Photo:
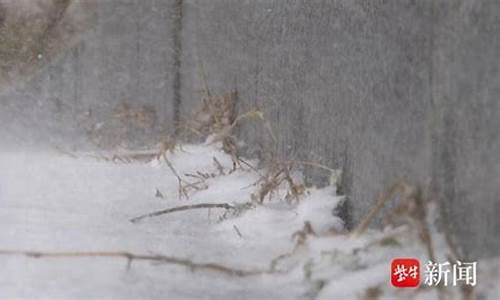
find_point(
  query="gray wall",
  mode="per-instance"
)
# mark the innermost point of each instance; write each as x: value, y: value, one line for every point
x: 382, y: 89
x: 466, y: 116
x: 125, y: 55
x: 343, y: 82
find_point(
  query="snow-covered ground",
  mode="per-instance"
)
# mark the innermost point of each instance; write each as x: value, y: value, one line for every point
x: 55, y: 203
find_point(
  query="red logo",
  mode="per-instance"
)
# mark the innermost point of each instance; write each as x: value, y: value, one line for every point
x: 405, y: 272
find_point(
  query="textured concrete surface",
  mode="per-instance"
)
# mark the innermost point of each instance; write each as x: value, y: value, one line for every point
x: 381, y: 89
x: 125, y: 56
x: 343, y: 82
x: 466, y: 112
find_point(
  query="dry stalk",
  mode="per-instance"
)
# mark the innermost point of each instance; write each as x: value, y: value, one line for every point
x: 250, y: 166
x: 379, y: 204
x: 277, y: 259
x: 183, y: 185
x: 124, y: 157
x: 217, y: 120
x: 237, y: 231
x: 468, y: 292
x: 219, y: 166
x: 277, y: 174
x: 301, y: 235
x: 295, y: 190
x: 182, y: 208
x: 65, y: 152
x: 159, y: 194
x: 412, y: 209
x: 311, y: 164
x: 269, y: 183
x: 215, y: 114
x: 301, y: 238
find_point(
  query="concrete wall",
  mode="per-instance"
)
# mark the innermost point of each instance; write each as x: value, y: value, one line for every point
x: 343, y: 82
x: 381, y: 89
x: 466, y: 116
x: 125, y: 55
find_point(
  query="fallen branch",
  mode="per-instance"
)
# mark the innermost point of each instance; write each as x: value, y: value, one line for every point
x: 193, y: 266
x: 182, y: 208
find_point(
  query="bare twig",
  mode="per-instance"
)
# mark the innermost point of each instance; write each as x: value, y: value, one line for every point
x: 65, y: 152
x: 179, y: 179
x: 393, y: 234
x: 237, y: 231
x: 159, y: 194
x: 270, y: 182
x: 183, y: 185
x: 203, y: 76
x: 279, y: 258
x: 295, y: 190
x: 124, y: 157
x: 301, y: 235
x: 182, y: 208
x: 219, y: 166
x: 309, y: 163
x: 250, y: 166
x: 193, y: 266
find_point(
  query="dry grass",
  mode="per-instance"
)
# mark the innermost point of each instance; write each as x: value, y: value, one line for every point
x: 277, y: 174
x: 412, y: 209
x: 301, y: 235
x: 143, y: 116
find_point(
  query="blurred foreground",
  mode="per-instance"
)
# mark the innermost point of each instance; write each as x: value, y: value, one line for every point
x: 56, y: 203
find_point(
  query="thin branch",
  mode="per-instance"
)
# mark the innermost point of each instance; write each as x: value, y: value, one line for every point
x: 219, y: 166
x: 309, y: 163
x: 203, y: 76
x: 182, y: 208
x: 386, y: 236
x: 382, y: 200
x: 237, y: 231
x: 181, y: 191
x: 193, y: 266
x: 250, y: 166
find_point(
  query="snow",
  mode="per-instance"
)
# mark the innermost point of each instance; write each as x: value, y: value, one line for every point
x: 55, y: 203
